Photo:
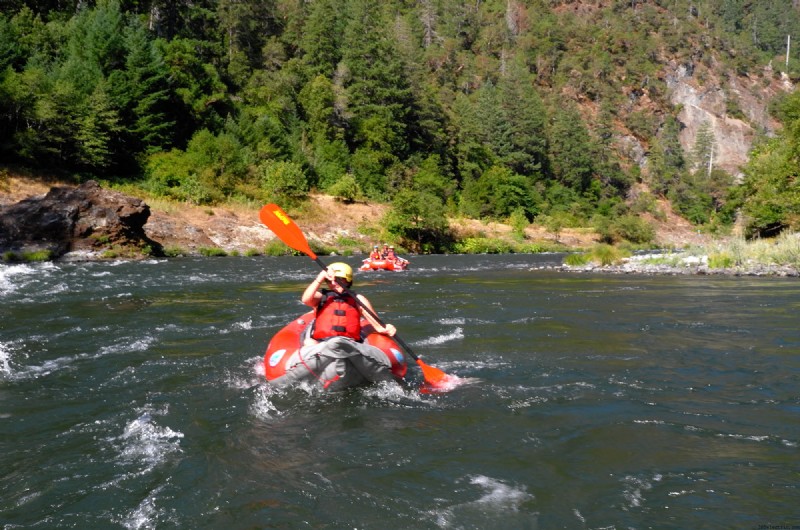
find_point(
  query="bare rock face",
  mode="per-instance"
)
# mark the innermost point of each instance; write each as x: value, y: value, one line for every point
x: 86, y: 219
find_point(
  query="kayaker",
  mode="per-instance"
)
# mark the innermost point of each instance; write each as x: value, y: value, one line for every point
x: 335, y: 353
x: 338, y: 314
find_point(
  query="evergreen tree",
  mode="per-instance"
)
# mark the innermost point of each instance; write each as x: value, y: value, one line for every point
x: 607, y: 167
x: 319, y: 44
x: 522, y: 129
x: 704, y: 148
x: 571, y: 149
x: 246, y: 27
x: 202, y: 99
x: 472, y: 153
x: 667, y: 166
x: 328, y: 154
x: 98, y: 127
x: 770, y: 194
x: 378, y: 95
x: 143, y: 94
x: 9, y: 51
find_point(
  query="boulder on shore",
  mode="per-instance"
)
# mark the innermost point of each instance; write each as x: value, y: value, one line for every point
x: 86, y: 219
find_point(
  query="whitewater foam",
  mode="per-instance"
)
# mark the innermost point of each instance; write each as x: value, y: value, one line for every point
x: 456, y: 334
x: 147, y: 444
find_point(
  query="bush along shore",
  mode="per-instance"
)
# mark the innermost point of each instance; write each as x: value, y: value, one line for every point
x: 734, y: 257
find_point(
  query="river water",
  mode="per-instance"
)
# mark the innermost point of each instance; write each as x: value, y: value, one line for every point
x: 132, y: 396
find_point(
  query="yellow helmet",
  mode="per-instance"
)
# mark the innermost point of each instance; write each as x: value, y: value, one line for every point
x: 342, y: 270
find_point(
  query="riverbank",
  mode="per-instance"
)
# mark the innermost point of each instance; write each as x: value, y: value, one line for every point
x: 732, y: 257
x: 340, y: 228
x: 185, y: 229
x: 639, y: 267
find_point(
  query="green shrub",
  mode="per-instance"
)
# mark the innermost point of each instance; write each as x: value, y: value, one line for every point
x: 606, y: 254
x: 482, y: 245
x: 721, y: 260
x: 519, y: 222
x: 32, y: 256
x: 39, y: 255
x: 345, y: 241
x: 787, y: 250
x: 285, y: 182
x: 172, y: 175
x: 276, y: 248
x: 211, y: 251
x: 346, y: 188
x: 576, y: 260
x: 630, y: 228
x: 528, y: 248
x: 172, y: 251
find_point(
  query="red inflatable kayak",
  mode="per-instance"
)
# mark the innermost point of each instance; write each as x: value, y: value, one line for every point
x: 334, y: 364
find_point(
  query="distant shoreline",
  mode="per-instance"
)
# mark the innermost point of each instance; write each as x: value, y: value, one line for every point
x: 662, y: 270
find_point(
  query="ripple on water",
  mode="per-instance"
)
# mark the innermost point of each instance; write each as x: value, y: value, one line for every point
x: 495, y: 504
x: 456, y: 334
x: 137, y: 399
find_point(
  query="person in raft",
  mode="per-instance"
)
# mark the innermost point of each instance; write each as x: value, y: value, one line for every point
x: 392, y: 256
x: 375, y: 254
x: 334, y: 351
x: 385, y: 251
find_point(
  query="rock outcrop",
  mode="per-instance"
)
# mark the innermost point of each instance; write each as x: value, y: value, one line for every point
x: 85, y: 220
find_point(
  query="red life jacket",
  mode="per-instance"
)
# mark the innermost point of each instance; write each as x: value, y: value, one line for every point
x: 337, y: 316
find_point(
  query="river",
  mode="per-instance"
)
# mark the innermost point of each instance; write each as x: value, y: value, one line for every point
x: 132, y: 396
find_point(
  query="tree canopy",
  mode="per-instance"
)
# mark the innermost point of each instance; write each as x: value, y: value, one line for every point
x: 487, y: 109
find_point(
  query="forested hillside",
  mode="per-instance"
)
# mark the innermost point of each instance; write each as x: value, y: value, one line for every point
x: 555, y: 111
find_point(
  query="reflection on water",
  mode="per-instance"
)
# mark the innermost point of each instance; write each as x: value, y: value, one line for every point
x: 132, y: 395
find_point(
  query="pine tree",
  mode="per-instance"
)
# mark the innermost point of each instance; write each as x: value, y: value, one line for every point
x: 704, y: 149
x: 377, y: 91
x: 571, y: 149
x: 319, y: 44
x: 97, y: 128
x: 472, y: 153
x: 524, y: 147
x: 144, y: 93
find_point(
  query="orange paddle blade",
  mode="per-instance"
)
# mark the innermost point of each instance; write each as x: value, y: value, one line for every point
x: 287, y: 231
x: 434, y: 376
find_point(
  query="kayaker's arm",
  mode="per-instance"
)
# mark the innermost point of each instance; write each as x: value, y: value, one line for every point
x: 387, y: 329
x: 312, y: 296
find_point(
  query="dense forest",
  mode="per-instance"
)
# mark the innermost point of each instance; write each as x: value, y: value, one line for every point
x: 491, y: 109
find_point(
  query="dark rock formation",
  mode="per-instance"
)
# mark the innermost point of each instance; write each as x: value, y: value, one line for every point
x: 87, y: 219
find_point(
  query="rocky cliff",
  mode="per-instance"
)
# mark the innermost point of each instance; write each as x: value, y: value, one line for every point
x: 707, y: 99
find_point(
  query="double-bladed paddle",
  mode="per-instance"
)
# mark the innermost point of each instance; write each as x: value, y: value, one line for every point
x: 287, y: 230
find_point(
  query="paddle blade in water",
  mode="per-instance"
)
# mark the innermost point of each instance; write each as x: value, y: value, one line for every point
x: 282, y: 225
x: 436, y: 378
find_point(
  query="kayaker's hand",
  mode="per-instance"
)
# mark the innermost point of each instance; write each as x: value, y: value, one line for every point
x: 389, y: 330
